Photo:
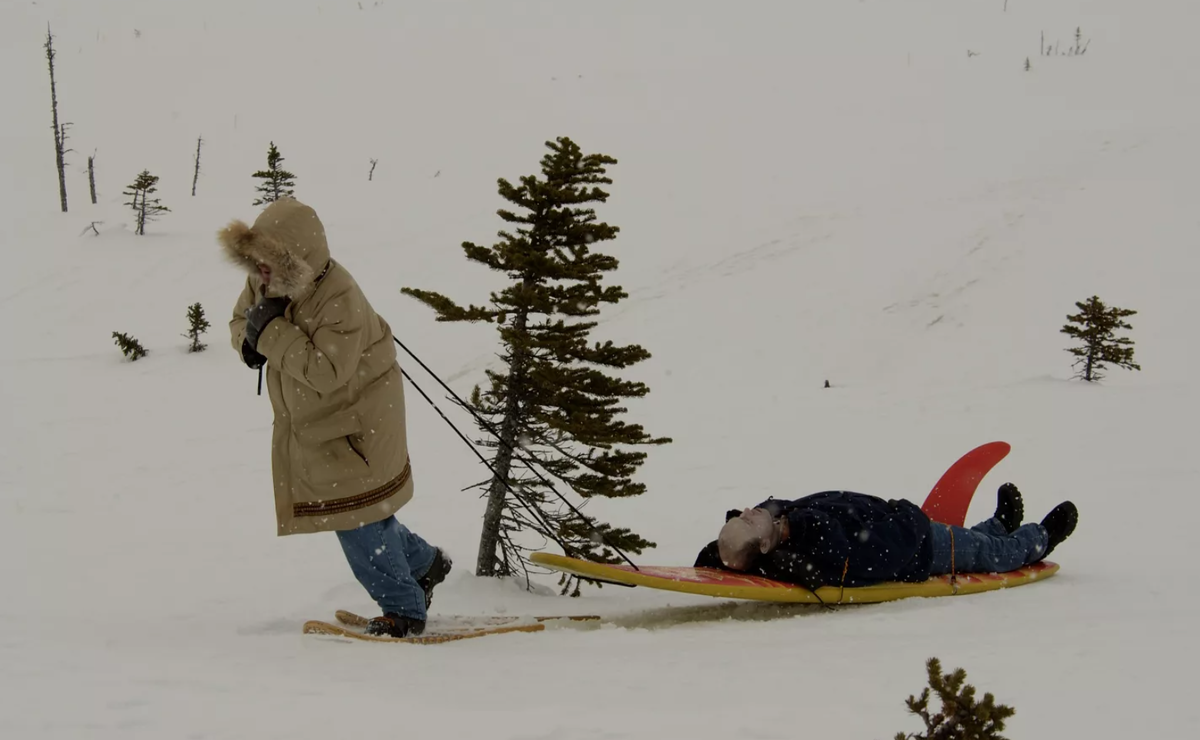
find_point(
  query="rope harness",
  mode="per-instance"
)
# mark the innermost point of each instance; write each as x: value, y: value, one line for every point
x: 845, y: 570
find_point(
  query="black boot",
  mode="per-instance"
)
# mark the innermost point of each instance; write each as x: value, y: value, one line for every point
x: 438, y: 570
x: 1010, y: 508
x: 1060, y: 523
x: 395, y: 625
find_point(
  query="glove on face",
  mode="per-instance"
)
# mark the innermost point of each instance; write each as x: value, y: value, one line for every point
x: 261, y: 314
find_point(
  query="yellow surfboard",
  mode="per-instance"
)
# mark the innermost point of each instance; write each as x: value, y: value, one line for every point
x: 727, y: 584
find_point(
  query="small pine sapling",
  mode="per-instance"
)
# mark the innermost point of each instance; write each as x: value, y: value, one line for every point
x: 961, y: 716
x: 277, y: 182
x: 1028, y: 66
x: 197, y: 325
x: 1095, y: 325
x: 130, y: 346
x: 145, y: 207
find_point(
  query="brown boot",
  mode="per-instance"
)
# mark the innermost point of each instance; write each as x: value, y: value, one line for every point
x: 395, y: 625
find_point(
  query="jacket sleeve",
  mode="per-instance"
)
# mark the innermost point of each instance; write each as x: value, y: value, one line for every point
x: 327, y: 358
x: 237, y: 324
x: 710, y: 557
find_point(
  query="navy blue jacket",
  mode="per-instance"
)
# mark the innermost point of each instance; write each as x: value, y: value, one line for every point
x: 842, y: 538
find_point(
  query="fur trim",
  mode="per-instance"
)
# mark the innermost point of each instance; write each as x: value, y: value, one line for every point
x: 247, y: 248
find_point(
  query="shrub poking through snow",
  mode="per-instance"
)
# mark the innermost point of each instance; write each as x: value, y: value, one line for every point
x: 197, y: 325
x: 961, y: 717
x: 1079, y: 49
x: 1094, y: 326
x: 130, y: 346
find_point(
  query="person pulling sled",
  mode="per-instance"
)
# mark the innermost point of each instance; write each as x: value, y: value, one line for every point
x: 339, y: 453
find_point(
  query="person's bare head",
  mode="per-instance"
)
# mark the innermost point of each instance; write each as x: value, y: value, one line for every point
x: 745, y: 537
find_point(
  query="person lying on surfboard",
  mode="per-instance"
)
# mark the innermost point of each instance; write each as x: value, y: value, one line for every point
x: 841, y: 538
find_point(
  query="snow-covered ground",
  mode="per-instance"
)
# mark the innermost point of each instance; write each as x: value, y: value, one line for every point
x: 874, y: 193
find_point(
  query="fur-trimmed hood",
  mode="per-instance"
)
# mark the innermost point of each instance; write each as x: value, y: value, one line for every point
x: 289, y: 238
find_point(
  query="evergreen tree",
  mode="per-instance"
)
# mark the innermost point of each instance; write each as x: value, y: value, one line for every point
x: 961, y: 716
x: 130, y: 346
x: 277, y: 183
x: 552, y: 400
x: 146, y: 208
x: 1094, y: 326
x: 197, y: 325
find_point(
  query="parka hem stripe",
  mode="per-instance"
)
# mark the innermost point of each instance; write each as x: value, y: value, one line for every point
x: 350, y: 503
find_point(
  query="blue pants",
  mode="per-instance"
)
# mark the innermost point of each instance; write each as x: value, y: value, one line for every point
x: 986, y: 547
x: 387, y: 559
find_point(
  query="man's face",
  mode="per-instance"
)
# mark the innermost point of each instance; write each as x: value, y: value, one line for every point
x: 264, y: 271
x: 760, y: 520
x: 745, y: 537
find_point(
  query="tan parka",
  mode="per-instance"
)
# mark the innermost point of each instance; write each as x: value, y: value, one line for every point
x: 339, y: 452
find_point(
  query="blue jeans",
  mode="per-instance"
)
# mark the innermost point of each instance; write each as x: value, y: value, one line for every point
x: 387, y: 559
x: 986, y: 547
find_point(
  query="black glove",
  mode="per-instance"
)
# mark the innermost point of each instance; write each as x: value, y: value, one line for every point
x: 251, y: 357
x: 261, y: 314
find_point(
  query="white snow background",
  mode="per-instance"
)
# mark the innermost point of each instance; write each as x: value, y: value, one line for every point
x: 806, y: 190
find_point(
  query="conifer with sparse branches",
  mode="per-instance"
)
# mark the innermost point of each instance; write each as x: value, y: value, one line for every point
x: 553, y: 399
x: 146, y: 208
x: 1095, y: 325
x: 276, y: 182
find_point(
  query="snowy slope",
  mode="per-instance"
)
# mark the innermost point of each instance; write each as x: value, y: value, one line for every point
x: 806, y: 191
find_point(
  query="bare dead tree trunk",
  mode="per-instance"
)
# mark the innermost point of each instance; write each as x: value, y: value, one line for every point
x: 59, y: 130
x: 371, y: 174
x: 92, y: 177
x: 196, y: 173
